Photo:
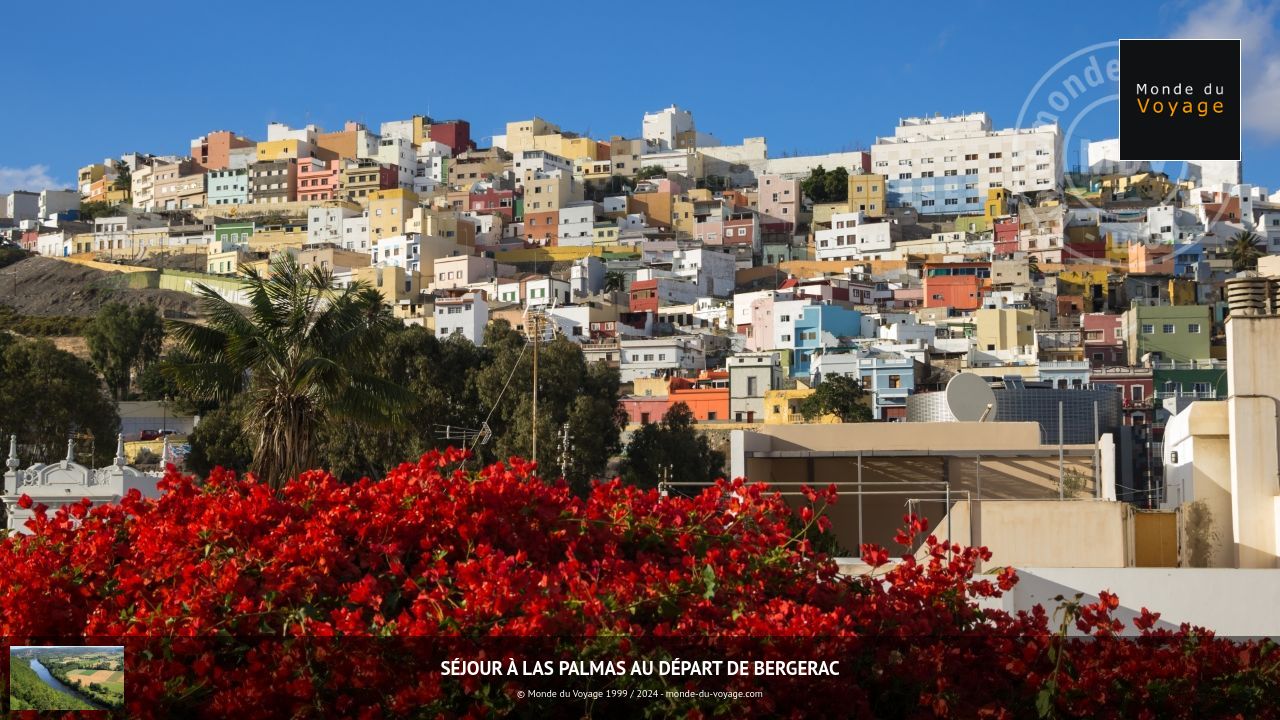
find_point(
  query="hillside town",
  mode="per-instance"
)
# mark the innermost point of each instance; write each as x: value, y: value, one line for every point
x: 1090, y: 297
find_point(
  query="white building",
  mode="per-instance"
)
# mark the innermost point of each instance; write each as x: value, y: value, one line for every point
x: 851, y: 237
x: 23, y: 205
x: 53, y: 202
x: 324, y: 223
x: 654, y: 357
x: 113, y: 233
x: 355, y: 232
x: 1104, y: 159
x: 465, y: 315
x: 63, y: 483
x: 460, y: 271
x: 946, y: 165
x: 714, y: 272
x: 577, y: 224
x: 751, y: 375
x: 665, y: 127
x: 403, y: 251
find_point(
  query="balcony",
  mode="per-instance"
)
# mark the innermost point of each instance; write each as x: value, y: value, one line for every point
x: 1189, y: 365
x: 1210, y: 394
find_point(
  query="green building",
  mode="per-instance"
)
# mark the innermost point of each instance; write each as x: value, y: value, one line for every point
x: 232, y: 234
x: 1195, y: 379
x: 1168, y: 332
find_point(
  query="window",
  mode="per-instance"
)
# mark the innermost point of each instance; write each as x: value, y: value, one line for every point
x: 904, y: 176
x: 971, y: 171
x: 1202, y: 389
x: 1193, y: 328
x: 895, y: 381
x: 1136, y: 392
x: 993, y: 156
x: 1119, y: 332
x: 995, y: 169
x: 973, y: 156
x: 927, y: 174
x: 1167, y: 328
x: 711, y: 415
x: 949, y: 173
x: 926, y: 203
x: 1148, y: 328
x: 952, y: 201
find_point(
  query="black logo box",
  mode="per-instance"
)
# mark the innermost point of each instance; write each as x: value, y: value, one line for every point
x: 1186, y: 68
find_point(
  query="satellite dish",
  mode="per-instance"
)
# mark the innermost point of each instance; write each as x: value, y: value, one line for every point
x: 970, y: 398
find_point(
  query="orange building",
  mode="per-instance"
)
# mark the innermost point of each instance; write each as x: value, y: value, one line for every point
x: 956, y: 285
x: 542, y: 228
x: 1152, y: 259
x: 706, y: 395
x: 213, y: 151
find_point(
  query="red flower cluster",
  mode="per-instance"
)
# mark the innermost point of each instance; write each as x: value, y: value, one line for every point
x: 333, y: 600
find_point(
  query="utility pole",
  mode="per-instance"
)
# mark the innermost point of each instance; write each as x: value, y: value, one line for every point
x: 564, y: 451
x: 534, y: 317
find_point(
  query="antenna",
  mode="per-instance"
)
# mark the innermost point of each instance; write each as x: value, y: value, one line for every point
x: 970, y: 398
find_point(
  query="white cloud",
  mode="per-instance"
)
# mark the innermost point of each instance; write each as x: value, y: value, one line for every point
x: 34, y: 178
x: 1254, y: 24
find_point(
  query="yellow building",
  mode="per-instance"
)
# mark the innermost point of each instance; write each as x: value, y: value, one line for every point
x: 1078, y: 280
x: 395, y: 284
x: 782, y: 407
x: 997, y: 204
x: 521, y: 134
x: 867, y: 194
x: 1006, y: 328
x: 274, y: 238
x: 1148, y: 186
x: 605, y: 234
x: 283, y: 149
x: 88, y: 175
x: 390, y: 212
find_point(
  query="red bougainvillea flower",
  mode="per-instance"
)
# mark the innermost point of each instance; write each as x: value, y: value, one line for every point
x: 329, y: 600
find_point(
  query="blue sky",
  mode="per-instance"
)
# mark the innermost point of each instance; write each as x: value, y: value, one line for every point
x: 87, y: 80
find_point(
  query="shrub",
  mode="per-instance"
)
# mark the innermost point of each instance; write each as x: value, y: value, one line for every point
x: 333, y: 600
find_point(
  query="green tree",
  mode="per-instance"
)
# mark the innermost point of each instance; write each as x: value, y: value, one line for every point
x: 92, y: 210
x: 823, y: 187
x: 304, y: 354
x: 124, y: 340
x: 838, y: 395
x: 571, y: 391
x: 651, y: 171
x: 438, y: 375
x: 614, y: 281
x: 220, y: 441
x: 671, y: 449
x: 46, y: 393
x: 1244, y: 249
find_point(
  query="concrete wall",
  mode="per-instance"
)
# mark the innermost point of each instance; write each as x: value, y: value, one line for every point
x: 1045, y: 533
x: 1200, y: 482
x: 1180, y: 595
x: 1253, y: 374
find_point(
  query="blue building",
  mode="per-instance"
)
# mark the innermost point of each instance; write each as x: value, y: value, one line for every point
x: 888, y: 378
x: 946, y: 195
x: 822, y: 326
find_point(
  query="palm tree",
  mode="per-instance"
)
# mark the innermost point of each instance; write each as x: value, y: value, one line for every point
x: 614, y: 281
x: 302, y: 352
x: 1244, y: 249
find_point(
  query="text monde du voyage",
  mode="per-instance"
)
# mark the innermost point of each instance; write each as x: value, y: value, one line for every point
x: 1180, y: 99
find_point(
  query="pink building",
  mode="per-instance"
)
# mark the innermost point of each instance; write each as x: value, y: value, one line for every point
x: 779, y: 201
x: 760, y: 332
x: 1104, y: 339
x: 317, y: 180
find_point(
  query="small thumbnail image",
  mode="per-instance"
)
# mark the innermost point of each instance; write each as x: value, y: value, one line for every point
x: 66, y: 677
